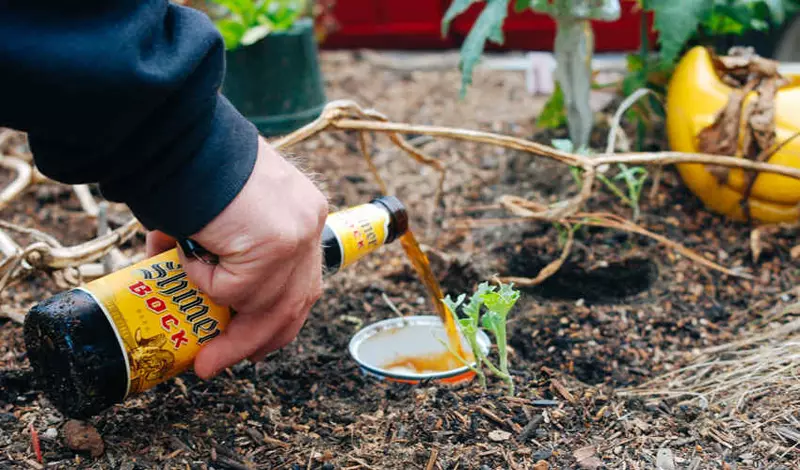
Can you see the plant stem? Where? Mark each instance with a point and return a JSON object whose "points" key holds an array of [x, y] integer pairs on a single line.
{"points": [[634, 189], [644, 38], [614, 188], [477, 369], [575, 172], [503, 375], [644, 52], [503, 351]]}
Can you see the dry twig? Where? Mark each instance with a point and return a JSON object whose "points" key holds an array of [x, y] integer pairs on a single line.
{"points": [[46, 254]]}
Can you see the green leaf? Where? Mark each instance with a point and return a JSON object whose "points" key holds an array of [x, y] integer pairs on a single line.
{"points": [[676, 22], [777, 9], [468, 327], [232, 32], [521, 5], [553, 115], [502, 301], [256, 34], [473, 308], [456, 8], [235, 7], [543, 6], [488, 26], [632, 173], [492, 322], [565, 145], [453, 305]]}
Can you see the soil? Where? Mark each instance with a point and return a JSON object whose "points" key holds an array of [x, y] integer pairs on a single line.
{"points": [[622, 310]]}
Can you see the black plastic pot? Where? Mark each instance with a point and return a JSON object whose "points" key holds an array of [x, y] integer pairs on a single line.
{"points": [[276, 82]]}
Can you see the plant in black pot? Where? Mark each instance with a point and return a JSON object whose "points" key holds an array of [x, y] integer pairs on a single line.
{"points": [[273, 75]]}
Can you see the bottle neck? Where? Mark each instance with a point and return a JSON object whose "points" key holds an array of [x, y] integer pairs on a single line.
{"points": [[351, 234], [348, 235]]}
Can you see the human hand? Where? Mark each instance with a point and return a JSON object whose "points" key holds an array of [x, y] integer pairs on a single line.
{"points": [[268, 241]]}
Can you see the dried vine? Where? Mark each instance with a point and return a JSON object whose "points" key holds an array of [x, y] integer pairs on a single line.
{"points": [[70, 264]]}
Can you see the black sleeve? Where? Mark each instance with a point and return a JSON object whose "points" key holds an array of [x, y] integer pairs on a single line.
{"points": [[126, 94]]}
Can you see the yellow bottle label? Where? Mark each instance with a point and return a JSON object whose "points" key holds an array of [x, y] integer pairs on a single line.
{"points": [[359, 230], [161, 318]]}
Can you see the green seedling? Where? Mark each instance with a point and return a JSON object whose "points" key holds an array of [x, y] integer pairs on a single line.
{"points": [[634, 177], [247, 21], [498, 302]]}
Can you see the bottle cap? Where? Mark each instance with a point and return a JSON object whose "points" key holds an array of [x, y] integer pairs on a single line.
{"points": [[398, 225]]}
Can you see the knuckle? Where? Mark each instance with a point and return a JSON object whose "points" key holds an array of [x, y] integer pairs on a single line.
{"points": [[321, 211], [298, 314], [315, 292], [283, 343]]}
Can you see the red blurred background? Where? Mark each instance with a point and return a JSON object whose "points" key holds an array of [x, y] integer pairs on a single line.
{"points": [[416, 24]]}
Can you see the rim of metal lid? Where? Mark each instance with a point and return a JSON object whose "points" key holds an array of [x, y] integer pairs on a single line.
{"points": [[429, 320]]}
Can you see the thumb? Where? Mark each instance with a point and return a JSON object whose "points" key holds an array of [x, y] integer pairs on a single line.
{"points": [[158, 242], [200, 273]]}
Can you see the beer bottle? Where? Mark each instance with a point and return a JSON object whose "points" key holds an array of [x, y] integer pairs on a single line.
{"points": [[93, 346]]}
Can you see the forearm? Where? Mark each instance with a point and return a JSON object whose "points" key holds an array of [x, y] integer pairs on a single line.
{"points": [[125, 94]]}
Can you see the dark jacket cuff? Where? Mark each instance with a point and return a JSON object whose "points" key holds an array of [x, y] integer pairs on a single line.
{"points": [[185, 201]]}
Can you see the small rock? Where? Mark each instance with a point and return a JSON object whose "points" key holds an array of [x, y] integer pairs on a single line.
{"points": [[542, 454], [541, 465], [7, 418], [665, 460], [82, 436], [50, 435], [499, 436], [127, 466], [488, 163]]}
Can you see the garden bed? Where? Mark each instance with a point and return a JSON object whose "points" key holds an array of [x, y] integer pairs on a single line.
{"points": [[621, 311]]}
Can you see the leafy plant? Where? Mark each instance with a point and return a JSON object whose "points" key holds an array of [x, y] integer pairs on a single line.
{"points": [[681, 24], [573, 48], [553, 115], [244, 22], [634, 177], [678, 22], [497, 302]]}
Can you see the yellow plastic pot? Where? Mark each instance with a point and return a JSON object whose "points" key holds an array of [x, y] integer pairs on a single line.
{"points": [[694, 97]]}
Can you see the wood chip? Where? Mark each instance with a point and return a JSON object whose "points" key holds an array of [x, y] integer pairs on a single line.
{"points": [[587, 459], [558, 387], [529, 428], [499, 436], [432, 460], [489, 414]]}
